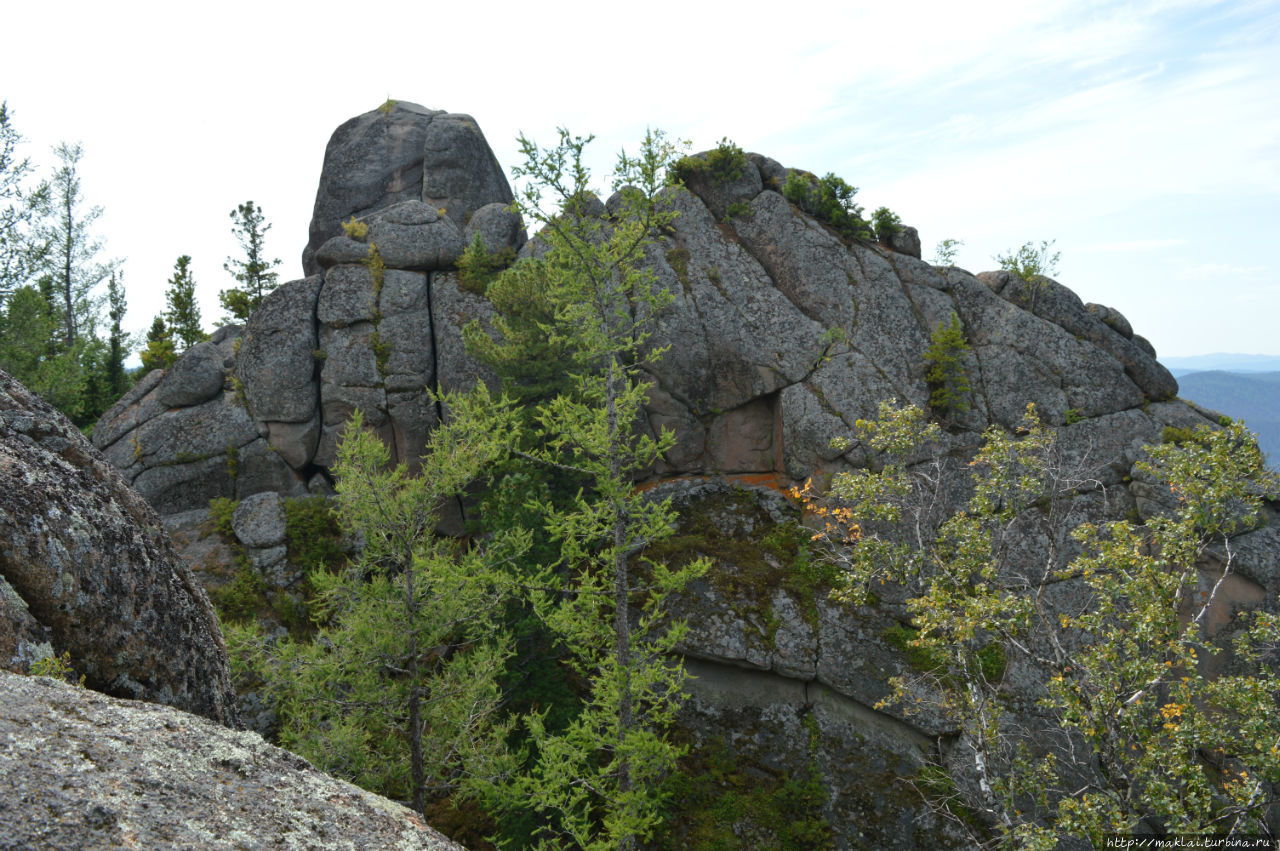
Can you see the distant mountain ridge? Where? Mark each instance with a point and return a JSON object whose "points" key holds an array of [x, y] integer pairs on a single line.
{"points": [[1222, 361], [1250, 396]]}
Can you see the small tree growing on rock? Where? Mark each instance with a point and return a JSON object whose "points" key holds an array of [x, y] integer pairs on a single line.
{"points": [[254, 271]]}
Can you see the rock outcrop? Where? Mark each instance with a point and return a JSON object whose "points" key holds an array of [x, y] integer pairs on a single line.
{"points": [[86, 569], [782, 335], [79, 769]]}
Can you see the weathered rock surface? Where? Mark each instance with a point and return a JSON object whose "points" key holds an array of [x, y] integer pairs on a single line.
{"points": [[781, 336], [403, 152], [86, 569], [82, 770]]}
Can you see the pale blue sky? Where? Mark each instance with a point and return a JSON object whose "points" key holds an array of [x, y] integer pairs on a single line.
{"points": [[1143, 137]]}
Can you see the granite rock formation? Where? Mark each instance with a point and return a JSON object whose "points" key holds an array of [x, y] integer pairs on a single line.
{"points": [[86, 569], [781, 336], [79, 769]]}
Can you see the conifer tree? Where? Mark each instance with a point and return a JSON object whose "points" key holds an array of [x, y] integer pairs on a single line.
{"points": [[159, 353], [399, 689], [18, 201], [116, 380], [69, 249], [182, 313], [597, 783], [253, 271]]}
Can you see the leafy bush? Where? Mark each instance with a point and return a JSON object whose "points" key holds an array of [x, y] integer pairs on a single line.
{"points": [[1030, 262], [220, 511], [724, 163], [945, 253], [240, 599], [828, 199], [58, 667], [886, 223]]}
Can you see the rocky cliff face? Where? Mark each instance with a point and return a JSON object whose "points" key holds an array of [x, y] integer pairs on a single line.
{"points": [[85, 569], [781, 336], [79, 769]]}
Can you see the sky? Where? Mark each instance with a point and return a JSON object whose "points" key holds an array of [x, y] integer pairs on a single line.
{"points": [[1142, 138]]}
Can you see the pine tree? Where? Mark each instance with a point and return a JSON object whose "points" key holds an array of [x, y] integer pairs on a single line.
{"points": [[253, 272], [119, 345], [946, 376], [159, 353], [182, 313]]}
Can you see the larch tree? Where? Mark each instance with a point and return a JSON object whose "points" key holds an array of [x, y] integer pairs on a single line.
{"points": [[598, 783], [70, 249], [18, 200]]}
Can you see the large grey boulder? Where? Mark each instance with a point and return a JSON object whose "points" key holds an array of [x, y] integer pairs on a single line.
{"points": [[371, 161], [402, 152], [85, 565], [459, 171], [82, 770]]}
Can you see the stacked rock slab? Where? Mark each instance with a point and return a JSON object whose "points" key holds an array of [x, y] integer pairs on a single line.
{"points": [[781, 337], [85, 569], [82, 770]]}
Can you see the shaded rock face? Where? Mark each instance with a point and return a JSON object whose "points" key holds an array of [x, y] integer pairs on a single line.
{"points": [[82, 770], [85, 569]]}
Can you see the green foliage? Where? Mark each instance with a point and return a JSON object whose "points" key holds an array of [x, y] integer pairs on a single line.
{"points": [[1177, 435], [387, 106], [52, 312], [599, 781], [737, 209], [829, 200], [312, 533], [724, 164], [355, 228], [1030, 262], [399, 690], [945, 374], [241, 599], [678, 260], [1073, 416], [58, 667], [220, 511], [1144, 732], [253, 272], [19, 202], [182, 311], [477, 266], [945, 253], [160, 352], [722, 805], [885, 223]]}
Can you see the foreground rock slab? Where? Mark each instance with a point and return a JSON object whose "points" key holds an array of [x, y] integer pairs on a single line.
{"points": [[79, 769], [86, 569]]}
